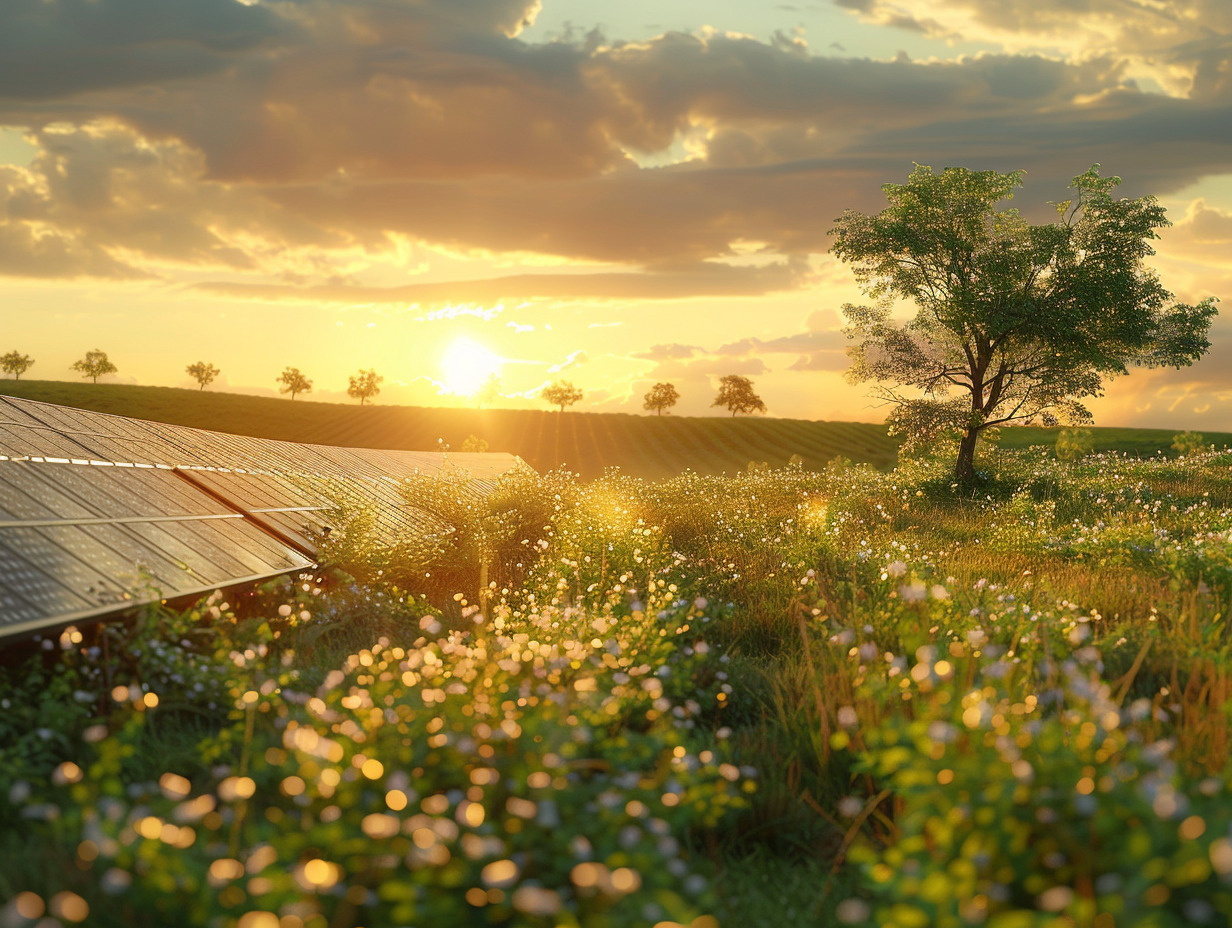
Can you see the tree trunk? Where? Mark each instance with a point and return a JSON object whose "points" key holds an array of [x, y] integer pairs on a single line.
{"points": [[964, 467]]}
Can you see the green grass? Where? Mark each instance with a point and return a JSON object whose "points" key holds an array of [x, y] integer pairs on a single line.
{"points": [[650, 447]]}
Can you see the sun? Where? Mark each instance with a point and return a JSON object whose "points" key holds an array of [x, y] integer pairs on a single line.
{"points": [[467, 365]]}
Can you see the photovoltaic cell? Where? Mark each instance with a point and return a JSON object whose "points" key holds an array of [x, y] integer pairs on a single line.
{"points": [[98, 512]]}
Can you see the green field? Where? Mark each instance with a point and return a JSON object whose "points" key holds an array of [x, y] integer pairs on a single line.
{"points": [[777, 699], [650, 447]]}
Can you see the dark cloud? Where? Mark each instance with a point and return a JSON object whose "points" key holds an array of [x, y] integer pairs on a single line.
{"points": [[66, 47], [210, 133]]}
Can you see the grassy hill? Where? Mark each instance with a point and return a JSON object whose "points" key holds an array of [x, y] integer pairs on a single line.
{"points": [[645, 446]]}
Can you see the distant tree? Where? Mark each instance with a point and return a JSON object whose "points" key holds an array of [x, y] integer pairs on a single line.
{"points": [[561, 393], [736, 394], [489, 393], [16, 363], [203, 373], [365, 385], [474, 444], [661, 396], [1015, 321], [94, 365], [1186, 443], [294, 382]]}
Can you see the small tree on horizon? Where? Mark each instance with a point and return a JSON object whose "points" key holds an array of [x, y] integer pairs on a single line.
{"points": [[94, 365], [488, 394], [661, 396], [16, 363], [365, 385], [1015, 322], [203, 373], [294, 382], [737, 395], [561, 393]]}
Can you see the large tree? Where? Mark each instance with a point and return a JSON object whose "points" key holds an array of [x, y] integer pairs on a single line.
{"points": [[1014, 321], [736, 394], [94, 365]]}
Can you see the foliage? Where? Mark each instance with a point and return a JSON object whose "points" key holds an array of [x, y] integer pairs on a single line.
{"points": [[365, 385], [487, 777], [1003, 706], [1074, 443], [203, 373], [474, 445], [294, 382], [736, 394], [561, 393], [94, 365], [1015, 321], [660, 397], [1185, 443], [15, 363]]}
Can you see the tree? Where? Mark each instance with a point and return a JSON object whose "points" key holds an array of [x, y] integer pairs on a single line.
{"points": [[1014, 321], [94, 365], [488, 394], [736, 394], [561, 393], [16, 363], [203, 373], [294, 382], [661, 396], [365, 385]]}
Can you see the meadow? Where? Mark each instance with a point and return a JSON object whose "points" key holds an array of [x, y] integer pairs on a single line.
{"points": [[779, 697], [650, 447]]}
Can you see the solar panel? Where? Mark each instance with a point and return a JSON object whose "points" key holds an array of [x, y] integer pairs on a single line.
{"points": [[98, 512]]}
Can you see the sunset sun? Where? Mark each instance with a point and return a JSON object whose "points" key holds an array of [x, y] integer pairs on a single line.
{"points": [[466, 365]]}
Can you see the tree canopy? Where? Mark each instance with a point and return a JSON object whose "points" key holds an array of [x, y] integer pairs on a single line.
{"points": [[94, 365], [561, 393], [203, 373], [736, 394], [294, 382], [15, 363], [1014, 321], [661, 396], [365, 385]]}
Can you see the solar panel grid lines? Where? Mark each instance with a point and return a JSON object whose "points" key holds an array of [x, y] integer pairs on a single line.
{"points": [[98, 512]]}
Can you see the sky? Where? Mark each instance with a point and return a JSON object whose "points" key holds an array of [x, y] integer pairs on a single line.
{"points": [[616, 194]]}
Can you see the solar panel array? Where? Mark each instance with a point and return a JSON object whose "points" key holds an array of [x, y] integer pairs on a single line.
{"points": [[98, 512]]}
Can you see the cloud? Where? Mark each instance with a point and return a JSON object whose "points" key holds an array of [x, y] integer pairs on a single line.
{"points": [[701, 279], [574, 359], [672, 352], [295, 145], [70, 47]]}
